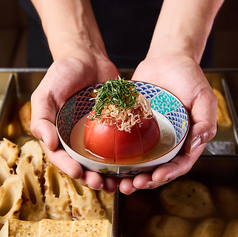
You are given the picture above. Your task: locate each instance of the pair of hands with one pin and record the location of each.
(177, 73)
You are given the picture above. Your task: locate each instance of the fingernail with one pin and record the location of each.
(99, 188)
(45, 140)
(196, 142)
(133, 190)
(163, 181)
(147, 186)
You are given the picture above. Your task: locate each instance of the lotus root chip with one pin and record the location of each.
(84, 202)
(56, 195)
(33, 207)
(5, 171)
(32, 151)
(9, 151)
(10, 198)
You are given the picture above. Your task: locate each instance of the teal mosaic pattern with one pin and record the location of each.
(164, 102)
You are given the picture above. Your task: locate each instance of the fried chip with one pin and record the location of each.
(5, 171)
(33, 152)
(9, 151)
(84, 202)
(33, 207)
(10, 198)
(56, 196)
(106, 201)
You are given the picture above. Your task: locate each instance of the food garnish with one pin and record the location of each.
(118, 102)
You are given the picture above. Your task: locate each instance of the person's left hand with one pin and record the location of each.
(183, 77)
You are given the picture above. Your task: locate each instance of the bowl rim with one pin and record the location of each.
(139, 163)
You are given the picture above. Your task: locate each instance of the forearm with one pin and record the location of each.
(69, 24)
(184, 26)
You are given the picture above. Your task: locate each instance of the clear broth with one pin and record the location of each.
(166, 142)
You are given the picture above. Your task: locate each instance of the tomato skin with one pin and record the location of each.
(128, 145)
(114, 146)
(100, 140)
(150, 134)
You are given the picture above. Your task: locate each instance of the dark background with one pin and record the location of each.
(13, 35)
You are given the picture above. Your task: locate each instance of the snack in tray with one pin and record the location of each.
(56, 228)
(92, 228)
(209, 227)
(226, 199)
(5, 171)
(167, 226)
(33, 152)
(57, 200)
(10, 198)
(187, 199)
(83, 200)
(231, 229)
(25, 117)
(52, 228)
(15, 227)
(106, 201)
(32, 187)
(121, 126)
(33, 207)
(223, 118)
(9, 151)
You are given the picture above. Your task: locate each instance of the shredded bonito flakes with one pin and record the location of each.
(126, 119)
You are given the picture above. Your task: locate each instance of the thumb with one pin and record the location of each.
(45, 131)
(203, 123)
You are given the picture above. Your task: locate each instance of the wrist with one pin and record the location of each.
(70, 28)
(183, 29)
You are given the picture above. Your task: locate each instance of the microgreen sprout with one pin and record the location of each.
(118, 92)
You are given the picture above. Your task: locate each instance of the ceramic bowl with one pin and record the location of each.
(169, 108)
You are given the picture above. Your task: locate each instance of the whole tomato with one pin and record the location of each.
(115, 146)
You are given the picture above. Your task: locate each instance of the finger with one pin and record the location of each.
(110, 185)
(43, 120)
(46, 131)
(126, 186)
(178, 166)
(203, 121)
(144, 181)
(64, 162)
(92, 180)
(141, 181)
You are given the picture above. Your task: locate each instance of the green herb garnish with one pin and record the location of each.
(120, 93)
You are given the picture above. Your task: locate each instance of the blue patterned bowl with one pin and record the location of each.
(170, 109)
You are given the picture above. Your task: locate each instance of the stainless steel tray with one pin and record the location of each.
(17, 89)
(19, 84)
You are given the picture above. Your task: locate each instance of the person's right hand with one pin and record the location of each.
(65, 77)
